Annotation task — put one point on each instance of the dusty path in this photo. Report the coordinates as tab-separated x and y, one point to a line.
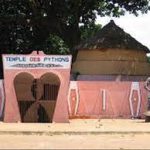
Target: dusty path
78	134
129	141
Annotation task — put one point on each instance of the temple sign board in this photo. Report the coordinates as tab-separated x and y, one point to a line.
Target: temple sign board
39	62
36	87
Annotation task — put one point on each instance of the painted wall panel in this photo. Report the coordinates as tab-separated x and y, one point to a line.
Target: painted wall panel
115	103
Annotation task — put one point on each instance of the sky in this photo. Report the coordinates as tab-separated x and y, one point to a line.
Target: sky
137	27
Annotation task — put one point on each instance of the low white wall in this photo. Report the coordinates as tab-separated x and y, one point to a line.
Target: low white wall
2	98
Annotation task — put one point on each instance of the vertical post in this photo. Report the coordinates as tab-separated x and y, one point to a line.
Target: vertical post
104	99
135	87
147	113
74	86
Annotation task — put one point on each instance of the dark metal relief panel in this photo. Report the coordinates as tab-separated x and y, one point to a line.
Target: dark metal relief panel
51	84
36	97
23	83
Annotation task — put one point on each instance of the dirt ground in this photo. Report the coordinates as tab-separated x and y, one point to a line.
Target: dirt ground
117	141
78	134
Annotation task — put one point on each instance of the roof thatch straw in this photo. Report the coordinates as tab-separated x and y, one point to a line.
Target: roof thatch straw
111	36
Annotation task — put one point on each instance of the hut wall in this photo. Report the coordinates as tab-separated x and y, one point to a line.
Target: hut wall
111	61
110	78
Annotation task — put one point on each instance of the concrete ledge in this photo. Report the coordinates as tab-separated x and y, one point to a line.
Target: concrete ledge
78	127
70	133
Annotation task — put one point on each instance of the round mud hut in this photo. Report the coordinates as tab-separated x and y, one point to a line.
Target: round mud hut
112	54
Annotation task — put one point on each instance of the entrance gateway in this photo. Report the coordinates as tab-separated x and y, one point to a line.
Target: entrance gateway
36	87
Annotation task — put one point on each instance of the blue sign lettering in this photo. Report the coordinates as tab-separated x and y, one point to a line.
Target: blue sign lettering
12	59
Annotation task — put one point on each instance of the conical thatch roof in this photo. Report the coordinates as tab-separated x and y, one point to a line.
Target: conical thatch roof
112	36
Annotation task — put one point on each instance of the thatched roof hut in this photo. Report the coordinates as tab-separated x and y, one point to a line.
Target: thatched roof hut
111	52
112	36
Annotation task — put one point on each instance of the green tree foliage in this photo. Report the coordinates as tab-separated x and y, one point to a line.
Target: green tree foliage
26	24
55	45
89	31
15	35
